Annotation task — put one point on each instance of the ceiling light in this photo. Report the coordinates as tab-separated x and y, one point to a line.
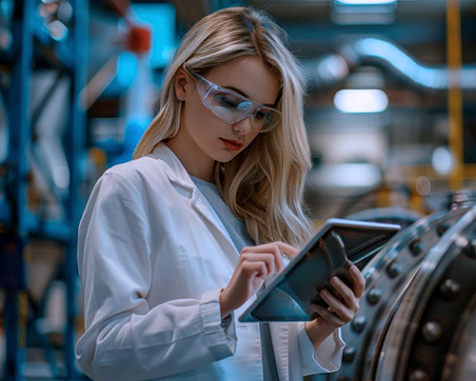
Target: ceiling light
365	2
442	160
354	12
361	100
346	178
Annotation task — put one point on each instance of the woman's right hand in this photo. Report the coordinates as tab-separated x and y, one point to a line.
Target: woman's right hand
256	263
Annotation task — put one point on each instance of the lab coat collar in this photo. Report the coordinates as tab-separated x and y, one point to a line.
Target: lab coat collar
175	170
178	175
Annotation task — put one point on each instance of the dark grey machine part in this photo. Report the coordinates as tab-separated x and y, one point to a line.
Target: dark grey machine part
424	334
375	337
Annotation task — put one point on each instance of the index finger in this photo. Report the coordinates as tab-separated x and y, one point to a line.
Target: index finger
269	248
359	281
289	250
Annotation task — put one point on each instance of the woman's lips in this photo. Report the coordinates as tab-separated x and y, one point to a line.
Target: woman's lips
232	145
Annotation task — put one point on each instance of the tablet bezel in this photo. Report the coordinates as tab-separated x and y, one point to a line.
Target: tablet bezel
330	224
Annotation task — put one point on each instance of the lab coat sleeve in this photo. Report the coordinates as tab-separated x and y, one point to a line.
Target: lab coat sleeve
328	356
125	338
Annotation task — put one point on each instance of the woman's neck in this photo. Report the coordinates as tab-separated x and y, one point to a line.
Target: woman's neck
201	167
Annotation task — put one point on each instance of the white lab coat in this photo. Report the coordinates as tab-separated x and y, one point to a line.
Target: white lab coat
152	260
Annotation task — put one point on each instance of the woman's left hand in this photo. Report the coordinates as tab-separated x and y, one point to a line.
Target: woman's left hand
343	304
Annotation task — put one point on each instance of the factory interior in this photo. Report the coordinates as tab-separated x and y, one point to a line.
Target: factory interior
390	115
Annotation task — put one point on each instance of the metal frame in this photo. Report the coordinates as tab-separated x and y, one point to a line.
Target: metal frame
75	144
18	101
21	222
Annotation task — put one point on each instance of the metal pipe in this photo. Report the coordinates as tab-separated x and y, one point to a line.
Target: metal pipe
333	68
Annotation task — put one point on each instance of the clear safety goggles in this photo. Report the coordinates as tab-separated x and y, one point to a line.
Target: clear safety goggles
232	107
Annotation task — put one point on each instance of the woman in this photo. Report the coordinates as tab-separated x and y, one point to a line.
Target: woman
173	244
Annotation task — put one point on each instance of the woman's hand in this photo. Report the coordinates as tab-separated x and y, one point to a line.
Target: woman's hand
343	304
256	263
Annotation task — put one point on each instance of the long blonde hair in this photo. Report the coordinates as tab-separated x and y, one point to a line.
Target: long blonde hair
264	184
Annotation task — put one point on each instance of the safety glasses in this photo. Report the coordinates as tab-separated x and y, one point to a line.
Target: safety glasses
232	107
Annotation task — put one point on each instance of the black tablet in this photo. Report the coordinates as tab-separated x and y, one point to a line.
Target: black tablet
287	296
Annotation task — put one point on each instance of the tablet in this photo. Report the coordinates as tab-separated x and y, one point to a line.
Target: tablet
287	295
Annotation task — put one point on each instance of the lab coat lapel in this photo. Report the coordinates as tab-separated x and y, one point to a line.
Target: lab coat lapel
280	337
179	176
213	220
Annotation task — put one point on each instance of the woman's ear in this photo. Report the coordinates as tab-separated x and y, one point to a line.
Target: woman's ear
181	82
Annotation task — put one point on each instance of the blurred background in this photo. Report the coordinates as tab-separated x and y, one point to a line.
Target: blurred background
390	109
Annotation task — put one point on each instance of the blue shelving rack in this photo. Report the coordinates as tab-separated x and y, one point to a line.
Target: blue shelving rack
18	222
16	229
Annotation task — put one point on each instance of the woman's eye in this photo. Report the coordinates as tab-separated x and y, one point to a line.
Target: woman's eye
226	101
261	115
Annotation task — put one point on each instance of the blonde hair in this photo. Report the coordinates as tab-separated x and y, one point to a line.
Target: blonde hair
264	184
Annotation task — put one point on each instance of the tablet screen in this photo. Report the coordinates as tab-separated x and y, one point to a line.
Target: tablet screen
331	252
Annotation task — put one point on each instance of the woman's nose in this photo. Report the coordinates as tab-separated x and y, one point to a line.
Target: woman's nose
244	126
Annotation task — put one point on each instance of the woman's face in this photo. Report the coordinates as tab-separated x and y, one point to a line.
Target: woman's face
204	137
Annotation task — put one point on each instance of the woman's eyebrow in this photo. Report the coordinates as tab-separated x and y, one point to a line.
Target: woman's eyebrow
245	95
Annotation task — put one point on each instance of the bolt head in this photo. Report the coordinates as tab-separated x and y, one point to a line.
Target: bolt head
432	332
418	375
349	354
449	290
416	247
394	269
373	296
358	324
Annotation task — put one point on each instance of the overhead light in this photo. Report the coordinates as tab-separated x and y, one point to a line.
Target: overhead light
361	100
365	2
346	178
354	12
442	160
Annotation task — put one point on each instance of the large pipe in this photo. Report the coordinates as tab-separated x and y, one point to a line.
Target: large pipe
333	68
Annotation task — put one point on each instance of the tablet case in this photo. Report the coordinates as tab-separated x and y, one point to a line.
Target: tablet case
287	296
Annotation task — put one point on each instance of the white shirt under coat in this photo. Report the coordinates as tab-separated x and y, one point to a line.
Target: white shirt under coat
153	258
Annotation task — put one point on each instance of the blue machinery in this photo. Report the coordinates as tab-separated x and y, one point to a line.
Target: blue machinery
67	56
17	223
